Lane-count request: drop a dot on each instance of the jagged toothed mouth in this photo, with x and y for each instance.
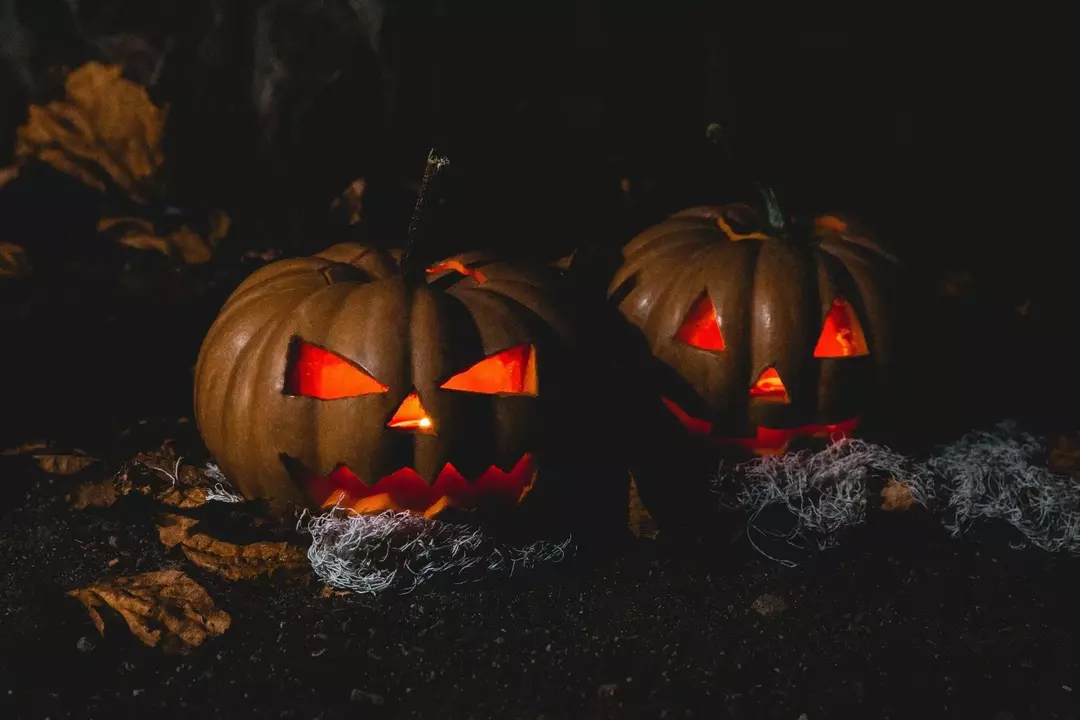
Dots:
(404, 489)
(766, 440)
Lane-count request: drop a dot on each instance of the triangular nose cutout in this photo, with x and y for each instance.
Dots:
(770, 388)
(411, 415)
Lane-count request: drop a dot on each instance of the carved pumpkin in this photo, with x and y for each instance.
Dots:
(764, 332)
(334, 379)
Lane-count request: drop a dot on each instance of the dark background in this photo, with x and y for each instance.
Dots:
(570, 123)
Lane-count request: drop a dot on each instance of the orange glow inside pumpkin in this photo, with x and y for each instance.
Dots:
(701, 328)
(318, 373)
(770, 388)
(458, 267)
(404, 489)
(411, 415)
(510, 372)
(842, 335)
(830, 222)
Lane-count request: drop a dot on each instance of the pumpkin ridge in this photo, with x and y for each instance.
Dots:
(234, 410)
(663, 233)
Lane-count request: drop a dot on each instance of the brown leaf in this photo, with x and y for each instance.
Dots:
(64, 464)
(640, 521)
(25, 448)
(8, 174)
(184, 244)
(173, 529)
(102, 493)
(564, 263)
(13, 262)
(352, 201)
(896, 496)
(158, 606)
(53, 460)
(184, 498)
(105, 132)
(233, 562)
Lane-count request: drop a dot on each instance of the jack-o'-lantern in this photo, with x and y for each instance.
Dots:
(336, 380)
(764, 331)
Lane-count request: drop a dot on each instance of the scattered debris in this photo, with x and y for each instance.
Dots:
(233, 562)
(896, 495)
(8, 174)
(13, 262)
(53, 460)
(769, 605)
(164, 607)
(351, 202)
(359, 695)
(640, 521)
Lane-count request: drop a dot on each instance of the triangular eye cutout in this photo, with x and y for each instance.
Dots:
(770, 388)
(701, 327)
(318, 373)
(842, 335)
(510, 372)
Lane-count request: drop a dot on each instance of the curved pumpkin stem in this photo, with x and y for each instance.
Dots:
(773, 212)
(412, 266)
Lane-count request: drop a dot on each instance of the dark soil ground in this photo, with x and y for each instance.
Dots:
(899, 621)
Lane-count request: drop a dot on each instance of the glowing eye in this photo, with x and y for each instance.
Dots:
(510, 372)
(318, 373)
(842, 335)
(701, 328)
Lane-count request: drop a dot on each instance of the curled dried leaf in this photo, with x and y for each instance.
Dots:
(184, 244)
(351, 201)
(233, 562)
(896, 496)
(64, 464)
(8, 174)
(13, 262)
(106, 132)
(102, 493)
(165, 607)
(640, 520)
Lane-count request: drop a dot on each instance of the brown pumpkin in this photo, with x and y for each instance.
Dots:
(334, 379)
(765, 332)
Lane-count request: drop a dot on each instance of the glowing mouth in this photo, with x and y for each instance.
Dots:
(766, 441)
(404, 489)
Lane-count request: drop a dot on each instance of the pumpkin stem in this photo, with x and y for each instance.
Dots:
(774, 213)
(412, 266)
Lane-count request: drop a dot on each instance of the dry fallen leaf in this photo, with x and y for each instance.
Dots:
(182, 244)
(102, 493)
(156, 475)
(64, 464)
(640, 521)
(352, 201)
(157, 606)
(896, 496)
(106, 132)
(53, 460)
(8, 174)
(13, 262)
(234, 562)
